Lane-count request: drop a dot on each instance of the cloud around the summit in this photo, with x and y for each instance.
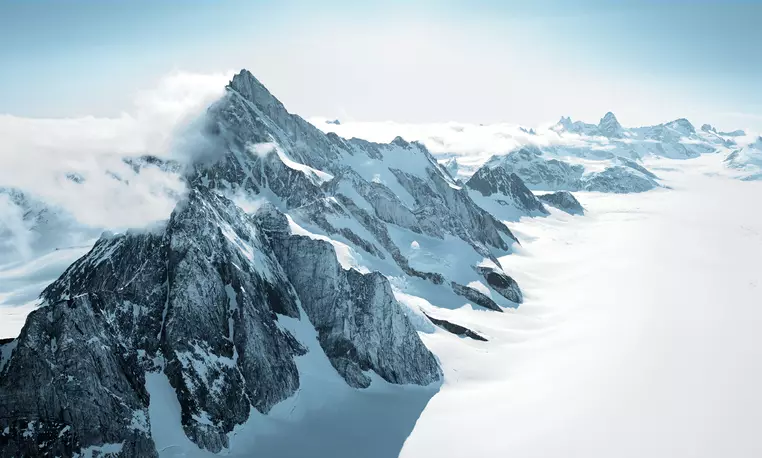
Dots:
(39, 156)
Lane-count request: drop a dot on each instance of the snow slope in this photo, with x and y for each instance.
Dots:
(638, 335)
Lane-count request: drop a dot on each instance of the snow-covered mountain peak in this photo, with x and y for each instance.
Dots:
(682, 125)
(609, 126)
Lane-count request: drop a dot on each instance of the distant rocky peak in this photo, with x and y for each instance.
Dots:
(708, 128)
(609, 117)
(609, 125)
(401, 142)
(565, 123)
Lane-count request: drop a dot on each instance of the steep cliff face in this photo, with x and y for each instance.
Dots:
(198, 299)
(360, 325)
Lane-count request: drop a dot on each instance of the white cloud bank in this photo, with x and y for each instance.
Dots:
(41, 156)
(37, 154)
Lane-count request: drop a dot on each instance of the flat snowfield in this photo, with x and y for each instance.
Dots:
(640, 335)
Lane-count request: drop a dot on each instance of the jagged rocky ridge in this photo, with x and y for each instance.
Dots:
(676, 139)
(199, 297)
(354, 191)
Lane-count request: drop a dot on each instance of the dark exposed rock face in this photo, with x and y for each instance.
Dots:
(67, 412)
(360, 325)
(475, 296)
(563, 200)
(200, 300)
(456, 328)
(502, 283)
(497, 180)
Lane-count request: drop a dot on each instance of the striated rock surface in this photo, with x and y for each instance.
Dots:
(456, 329)
(360, 325)
(508, 188)
(477, 297)
(198, 299)
(502, 283)
(563, 200)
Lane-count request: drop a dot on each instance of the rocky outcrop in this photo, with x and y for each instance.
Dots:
(456, 329)
(510, 188)
(477, 297)
(502, 283)
(563, 200)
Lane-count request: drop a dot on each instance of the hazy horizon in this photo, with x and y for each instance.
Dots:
(484, 62)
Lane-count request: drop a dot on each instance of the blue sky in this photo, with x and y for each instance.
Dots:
(476, 61)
